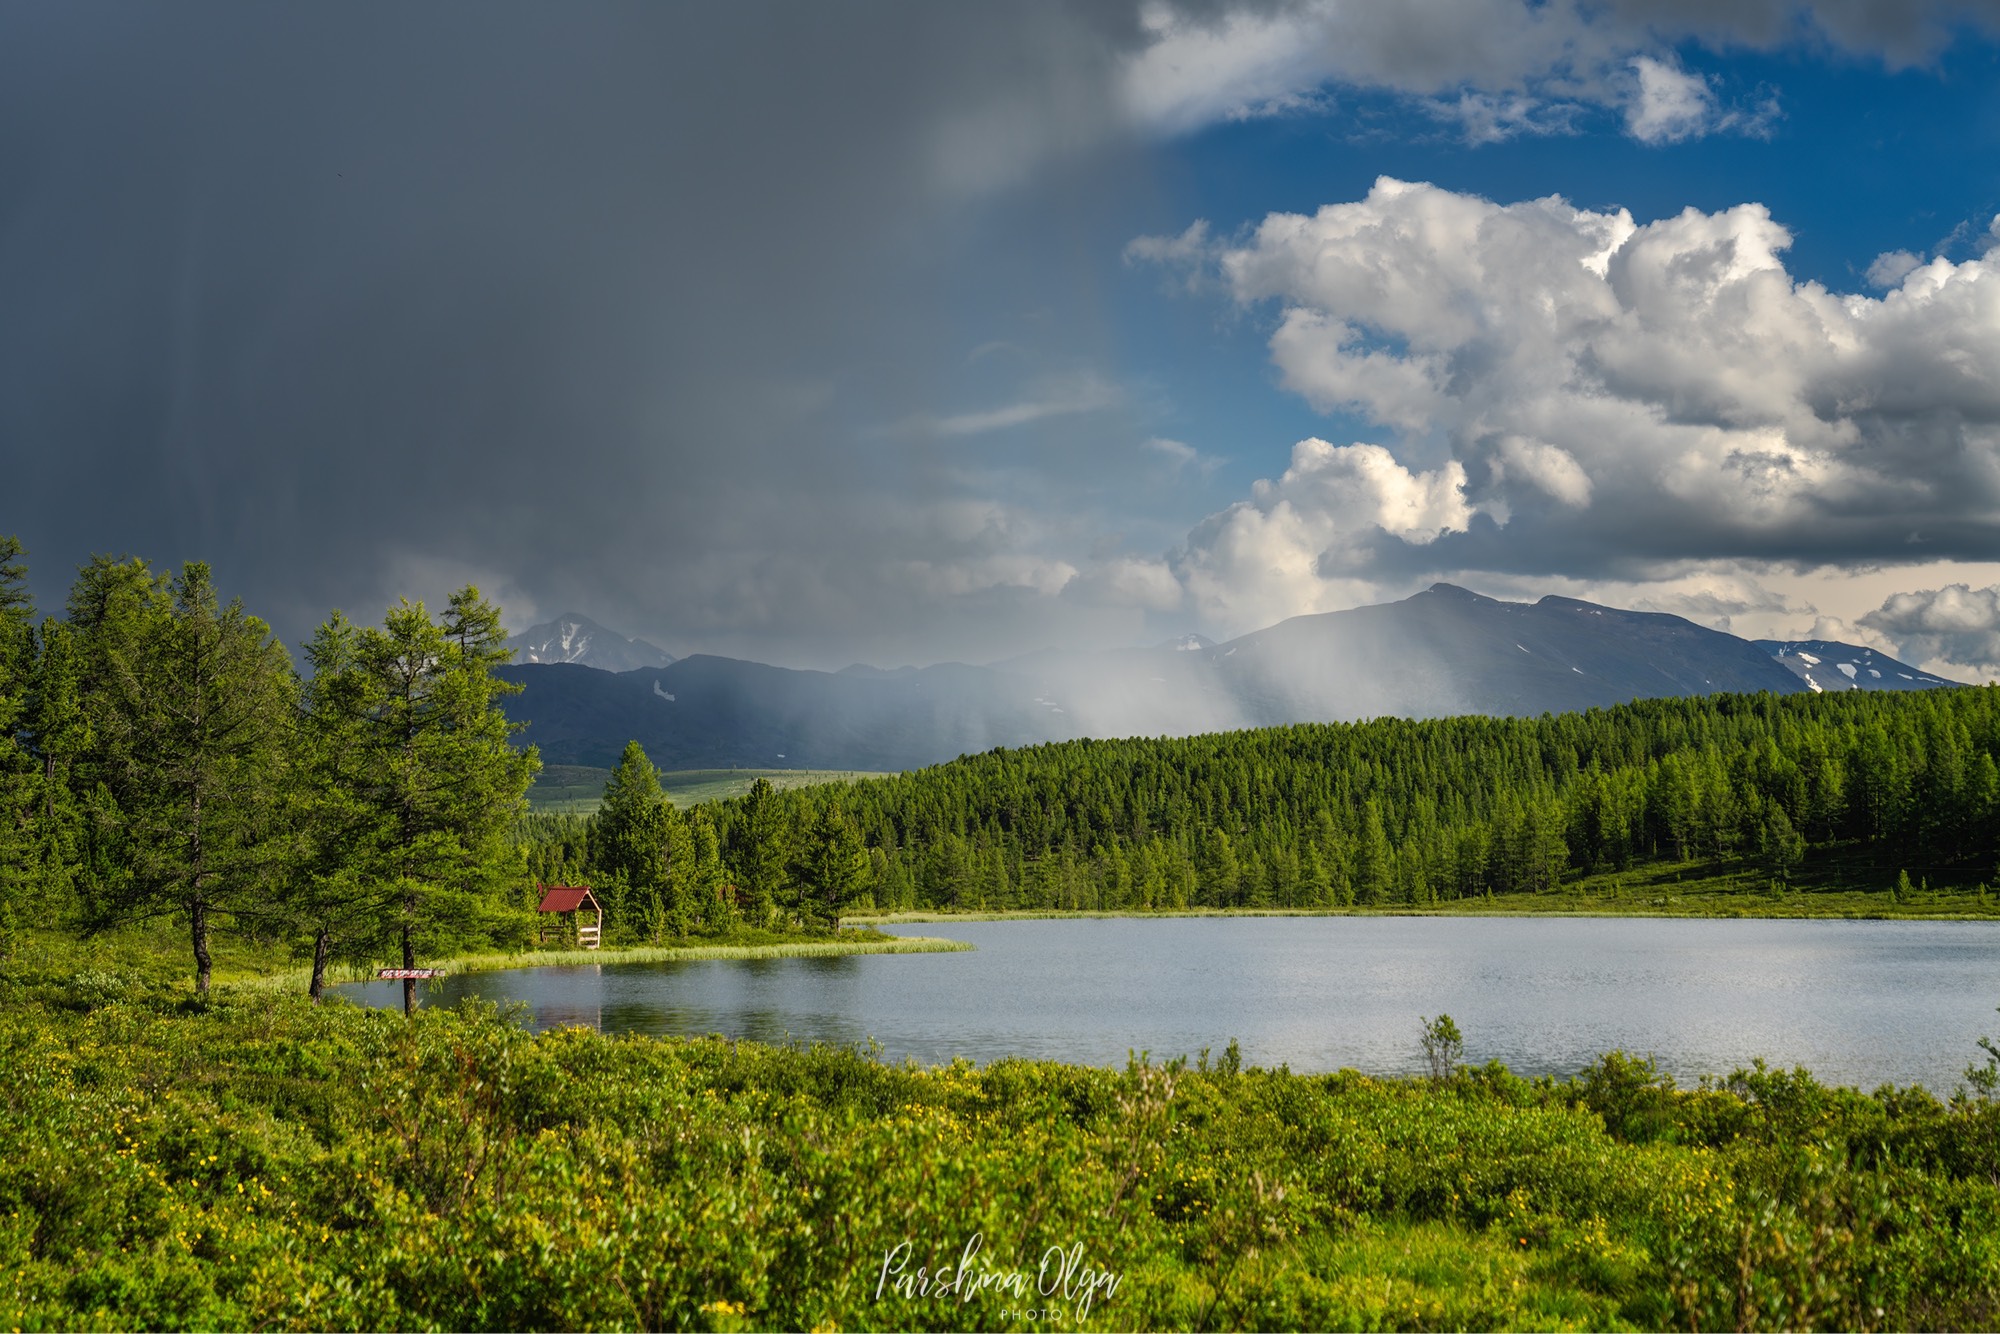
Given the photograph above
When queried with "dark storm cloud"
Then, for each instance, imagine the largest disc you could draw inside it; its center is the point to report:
(579, 301)
(680, 315)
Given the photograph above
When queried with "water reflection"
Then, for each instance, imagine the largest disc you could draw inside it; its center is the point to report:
(1857, 1002)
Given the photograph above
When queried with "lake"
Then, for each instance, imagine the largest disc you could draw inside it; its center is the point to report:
(1861, 1003)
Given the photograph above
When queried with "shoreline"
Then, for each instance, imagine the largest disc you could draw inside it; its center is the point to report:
(349, 975)
(919, 916)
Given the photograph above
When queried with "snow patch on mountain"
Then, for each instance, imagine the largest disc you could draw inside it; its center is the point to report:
(578, 639)
(1815, 662)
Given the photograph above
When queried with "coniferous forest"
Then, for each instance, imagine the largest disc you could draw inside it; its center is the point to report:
(161, 757)
(229, 1155)
(1396, 812)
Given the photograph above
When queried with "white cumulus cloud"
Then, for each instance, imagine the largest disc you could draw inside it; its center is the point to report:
(1498, 68)
(1891, 267)
(1954, 624)
(1284, 550)
(1670, 105)
(1564, 390)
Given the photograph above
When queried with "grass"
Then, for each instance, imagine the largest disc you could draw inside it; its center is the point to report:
(797, 949)
(158, 956)
(494, 961)
(255, 1162)
(574, 789)
(568, 789)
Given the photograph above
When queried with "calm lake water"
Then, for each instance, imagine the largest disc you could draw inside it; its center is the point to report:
(1861, 1003)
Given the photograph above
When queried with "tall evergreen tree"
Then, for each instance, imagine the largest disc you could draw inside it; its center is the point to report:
(441, 782)
(59, 736)
(831, 870)
(707, 883)
(639, 837)
(206, 695)
(332, 821)
(764, 861)
(18, 822)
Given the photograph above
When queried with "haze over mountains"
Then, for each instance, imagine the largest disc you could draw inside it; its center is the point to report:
(1444, 651)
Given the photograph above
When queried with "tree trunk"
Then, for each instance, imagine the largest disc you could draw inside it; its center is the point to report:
(409, 961)
(202, 962)
(322, 947)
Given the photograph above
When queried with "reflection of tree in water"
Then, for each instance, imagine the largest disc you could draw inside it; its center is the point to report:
(786, 1028)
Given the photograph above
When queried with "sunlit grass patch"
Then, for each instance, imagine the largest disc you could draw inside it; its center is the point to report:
(799, 949)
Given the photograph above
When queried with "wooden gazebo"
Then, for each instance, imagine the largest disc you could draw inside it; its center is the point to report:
(563, 903)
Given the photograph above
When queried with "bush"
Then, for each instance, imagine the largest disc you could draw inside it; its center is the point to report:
(261, 1162)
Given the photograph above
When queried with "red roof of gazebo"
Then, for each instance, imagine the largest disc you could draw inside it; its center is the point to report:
(565, 898)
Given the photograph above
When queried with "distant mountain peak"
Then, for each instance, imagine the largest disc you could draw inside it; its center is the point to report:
(1445, 651)
(573, 637)
(1825, 664)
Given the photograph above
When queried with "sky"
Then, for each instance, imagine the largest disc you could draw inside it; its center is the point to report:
(906, 333)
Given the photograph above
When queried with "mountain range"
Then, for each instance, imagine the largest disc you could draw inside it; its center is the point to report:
(1444, 651)
(578, 639)
(1825, 665)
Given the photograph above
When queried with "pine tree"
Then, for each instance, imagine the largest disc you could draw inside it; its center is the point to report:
(763, 862)
(638, 836)
(832, 870)
(708, 883)
(19, 831)
(1374, 870)
(334, 826)
(207, 695)
(626, 834)
(440, 779)
(1780, 847)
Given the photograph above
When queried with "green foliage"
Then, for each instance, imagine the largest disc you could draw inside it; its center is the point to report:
(258, 1162)
(831, 870)
(17, 786)
(764, 855)
(1444, 1047)
(429, 785)
(1805, 791)
(579, 789)
(1985, 1079)
(201, 696)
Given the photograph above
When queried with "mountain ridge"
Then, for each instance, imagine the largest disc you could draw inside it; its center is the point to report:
(1827, 664)
(575, 638)
(1446, 650)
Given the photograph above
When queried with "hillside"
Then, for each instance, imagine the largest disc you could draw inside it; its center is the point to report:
(1440, 653)
(1824, 664)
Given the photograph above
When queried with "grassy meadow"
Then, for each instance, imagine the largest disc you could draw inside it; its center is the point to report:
(253, 1161)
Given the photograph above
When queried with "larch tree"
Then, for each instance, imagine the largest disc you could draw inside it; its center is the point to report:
(831, 870)
(641, 839)
(332, 822)
(204, 694)
(706, 889)
(764, 860)
(439, 779)
(18, 823)
(59, 736)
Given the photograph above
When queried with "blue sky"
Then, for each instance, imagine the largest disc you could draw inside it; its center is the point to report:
(910, 333)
